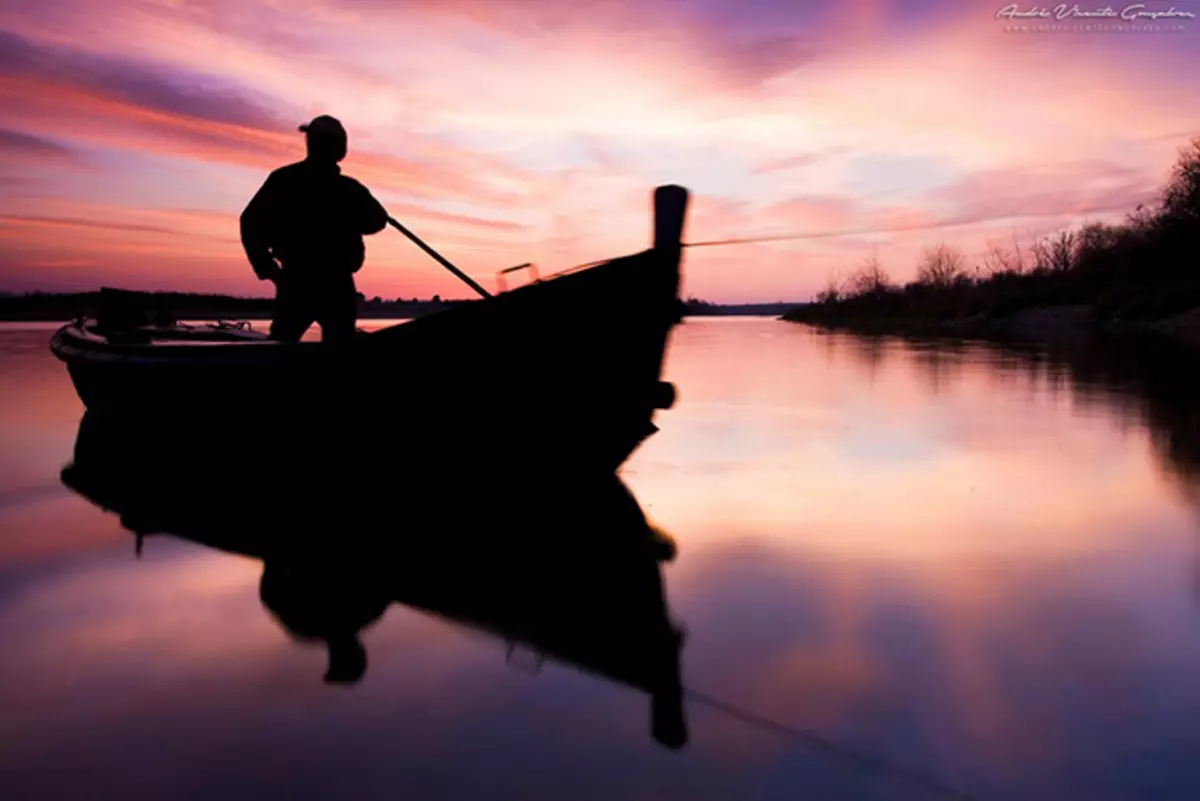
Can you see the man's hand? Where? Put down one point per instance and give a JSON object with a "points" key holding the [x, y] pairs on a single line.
{"points": [[267, 269]]}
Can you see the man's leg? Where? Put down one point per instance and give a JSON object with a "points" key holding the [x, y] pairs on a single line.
{"points": [[338, 312], [293, 313]]}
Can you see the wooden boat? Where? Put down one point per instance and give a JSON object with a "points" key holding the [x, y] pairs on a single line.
{"points": [[568, 368], [566, 571]]}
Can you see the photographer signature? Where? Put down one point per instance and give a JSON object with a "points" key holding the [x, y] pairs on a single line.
{"points": [[1131, 13]]}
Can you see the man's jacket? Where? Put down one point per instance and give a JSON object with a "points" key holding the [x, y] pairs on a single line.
{"points": [[312, 219]]}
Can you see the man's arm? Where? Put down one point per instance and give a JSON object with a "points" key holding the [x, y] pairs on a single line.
{"points": [[372, 214], [256, 225]]}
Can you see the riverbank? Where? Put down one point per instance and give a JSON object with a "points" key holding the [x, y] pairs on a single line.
{"points": [[1049, 324], [1135, 277]]}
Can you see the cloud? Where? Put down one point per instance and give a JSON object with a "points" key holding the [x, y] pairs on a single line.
{"points": [[156, 86], [1080, 187], [25, 144], [749, 64], [810, 212], [733, 48], [842, 220], [785, 163], [69, 222], [121, 123], [409, 210]]}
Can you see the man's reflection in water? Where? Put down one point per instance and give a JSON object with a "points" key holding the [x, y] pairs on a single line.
{"points": [[570, 571], [317, 606]]}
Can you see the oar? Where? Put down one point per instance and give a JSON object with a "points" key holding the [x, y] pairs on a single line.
{"points": [[438, 257]]}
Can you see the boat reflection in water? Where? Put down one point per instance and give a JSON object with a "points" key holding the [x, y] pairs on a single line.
{"points": [[565, 565]]}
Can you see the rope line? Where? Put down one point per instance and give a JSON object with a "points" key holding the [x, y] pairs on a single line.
{"points": [[795, 237], [751, 240], [754, 240], [858, 761]]}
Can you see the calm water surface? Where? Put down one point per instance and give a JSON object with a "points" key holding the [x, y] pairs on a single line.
{"points": [[977, 564]]}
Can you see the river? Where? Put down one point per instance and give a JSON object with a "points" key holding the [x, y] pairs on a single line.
{"points": [[905, 569]]}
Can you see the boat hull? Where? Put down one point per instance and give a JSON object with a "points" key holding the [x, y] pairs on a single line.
{"points": [[569, 368]]}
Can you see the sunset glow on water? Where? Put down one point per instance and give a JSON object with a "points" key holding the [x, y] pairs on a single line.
{"points": [[979, 564]]}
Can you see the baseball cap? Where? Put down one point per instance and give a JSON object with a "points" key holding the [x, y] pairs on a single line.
{"points": [[324, 125]]}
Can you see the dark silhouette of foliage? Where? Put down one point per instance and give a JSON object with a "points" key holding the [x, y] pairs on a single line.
{"points": [[942, 266], [1143, 268]]}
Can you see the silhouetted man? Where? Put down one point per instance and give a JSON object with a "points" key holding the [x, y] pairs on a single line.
{"points": [[304, 231]]}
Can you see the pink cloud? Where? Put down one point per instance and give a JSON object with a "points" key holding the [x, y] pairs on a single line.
{"points": [[815, 213], [793, 162], [1080, 187]]}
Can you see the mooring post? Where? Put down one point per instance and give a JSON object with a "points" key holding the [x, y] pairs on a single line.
{"points": [[670, 209]]}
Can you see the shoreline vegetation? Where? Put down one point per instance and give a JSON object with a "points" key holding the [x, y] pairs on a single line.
{"points": [[1139, 276], [66, 306]]}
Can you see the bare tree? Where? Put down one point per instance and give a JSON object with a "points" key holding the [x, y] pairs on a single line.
{"points": [[992, 261], [1181, 198], [832, 292], [1062, 251], [1142, 220], [1095, 240], [1039, 254], [1095, 236], [942, 266], [998, 260], [869, 278], [1055, 254], [1018, 261]]}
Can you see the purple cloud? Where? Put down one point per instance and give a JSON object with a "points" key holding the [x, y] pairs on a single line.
{"points": [[1082, 187], [100, 225], [741, 45], [25, 144], [154, 86]]}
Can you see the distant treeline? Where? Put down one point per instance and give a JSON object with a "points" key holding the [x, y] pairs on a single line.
{"points": [[1143, 269], [55, 306], [52, 306], [703, 308]]}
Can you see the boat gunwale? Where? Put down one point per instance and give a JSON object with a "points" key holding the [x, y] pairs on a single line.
{"points": [[74, 343]]}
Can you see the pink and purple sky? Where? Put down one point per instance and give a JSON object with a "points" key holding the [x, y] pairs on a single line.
{"points": [[134, 132]]}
